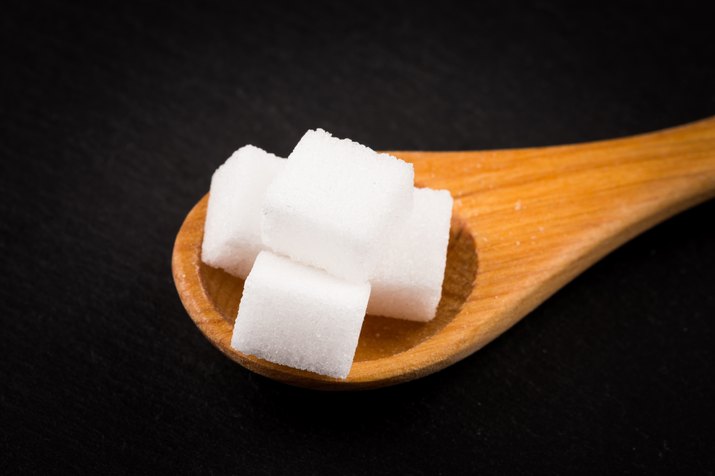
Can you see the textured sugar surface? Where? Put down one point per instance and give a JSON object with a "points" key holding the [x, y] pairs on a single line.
{"points": [[334, 203], [232, 234], [299, 316], [407, 282]]}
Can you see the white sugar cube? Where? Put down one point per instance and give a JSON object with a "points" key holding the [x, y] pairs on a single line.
{"points": [[407, 283], [334, 203], [299, 316], [232, 233]]}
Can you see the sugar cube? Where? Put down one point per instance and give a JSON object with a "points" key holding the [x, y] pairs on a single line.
{"points": [[232, 234], [299, 316], [334, 203], [407, 283]]}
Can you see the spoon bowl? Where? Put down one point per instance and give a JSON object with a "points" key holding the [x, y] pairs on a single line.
{"points": [[525, 222]]}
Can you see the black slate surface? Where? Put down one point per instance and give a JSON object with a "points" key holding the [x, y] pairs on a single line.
{"points": [[112, 119]]}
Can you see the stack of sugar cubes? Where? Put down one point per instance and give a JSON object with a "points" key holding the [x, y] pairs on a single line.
{"points": [[332, 232]]}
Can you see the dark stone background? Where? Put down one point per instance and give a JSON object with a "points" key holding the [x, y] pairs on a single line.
{"points": [[113, 117]]}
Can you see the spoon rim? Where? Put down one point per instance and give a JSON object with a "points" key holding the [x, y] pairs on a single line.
{"points": [[456, 342]]}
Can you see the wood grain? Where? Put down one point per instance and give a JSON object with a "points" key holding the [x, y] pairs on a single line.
{"points": [[525, 223]]}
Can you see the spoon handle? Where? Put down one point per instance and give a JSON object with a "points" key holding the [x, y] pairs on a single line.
{"points": [[540, 216]]}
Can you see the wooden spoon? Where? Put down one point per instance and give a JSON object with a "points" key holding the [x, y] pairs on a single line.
{"points": [[525, 222]]}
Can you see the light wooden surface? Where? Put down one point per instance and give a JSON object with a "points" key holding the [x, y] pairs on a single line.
{"points": [[525, 223]]}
